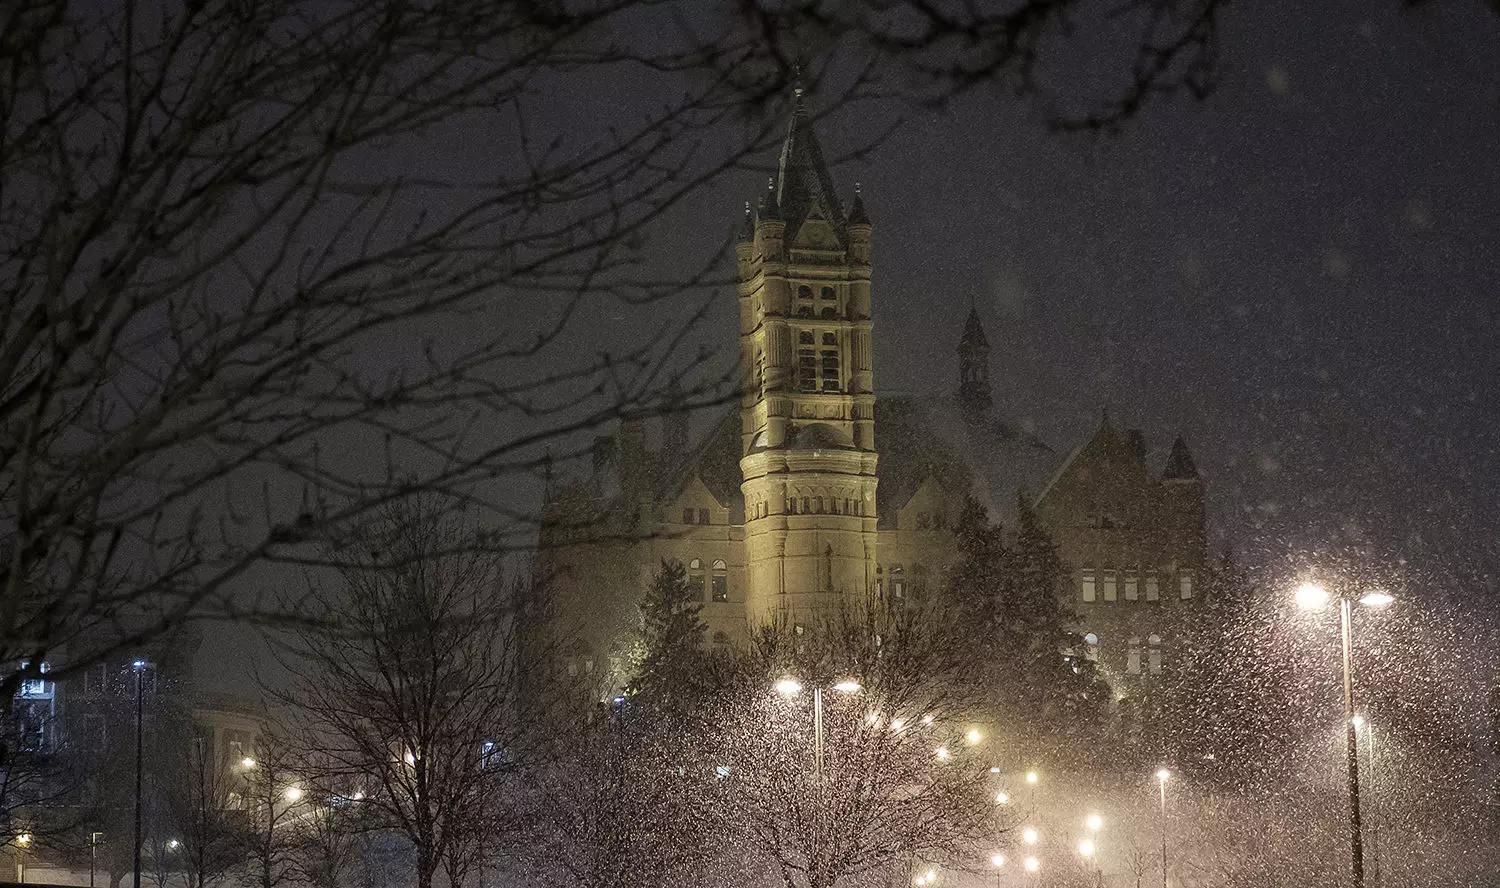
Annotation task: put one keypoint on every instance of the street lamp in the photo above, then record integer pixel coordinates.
(139, 667)
(1162, 776)
(1311, 596)
(1032, 864)
(23, 841)
(791, 687)
(1093, 823)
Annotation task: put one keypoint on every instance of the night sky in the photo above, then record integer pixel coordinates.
(1298, 274)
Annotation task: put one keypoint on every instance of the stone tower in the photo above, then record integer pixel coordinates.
(974, 368)
(808, 405)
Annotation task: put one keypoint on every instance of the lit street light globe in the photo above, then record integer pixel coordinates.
(1032, 864)
(1163, 775)
(1029, 835)
(1032, 777)
(847, 686)
(789, 686)
(1311, 596)
(1086, 848)
(1094, 822)
(997, 860)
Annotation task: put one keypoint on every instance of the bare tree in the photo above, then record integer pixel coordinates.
(406, 683)
(899, 776)
(275, 803)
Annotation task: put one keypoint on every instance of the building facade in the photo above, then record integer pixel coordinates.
(816, 488)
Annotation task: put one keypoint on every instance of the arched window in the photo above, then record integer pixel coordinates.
(819, 501)
(1133, 656)
(829, 294)
(830, 339)
(720, 581)
(1153, 653)
(695, 578)
(807, 505)
(805, 338)
(829, 314)
(804, 292)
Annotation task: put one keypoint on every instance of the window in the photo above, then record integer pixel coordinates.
(806, 505)
(1154, 654)
(804, 292)
(805, 338)
(791, 505)
(830, 339)
(898, 581)
(829, 314)
(703, 517)
(695, 578)
(1185, 585)
(721, 637)
(919, 578)
(807, 370)
(1132, 586)
(1133, 656)
(923, 521)
(1086, 584)
(687, 516)
(1107, 582)
(819, 501)
(879, 580)
(1152, 592)
(93, 733)
(830, 370)
(828, 293)
(721, 581)
(93, 679)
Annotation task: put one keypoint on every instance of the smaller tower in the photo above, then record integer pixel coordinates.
(974, 368)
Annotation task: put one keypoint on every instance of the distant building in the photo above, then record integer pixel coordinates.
(816, 488)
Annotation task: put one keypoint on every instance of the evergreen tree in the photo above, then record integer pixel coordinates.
(1055, 691)
(977, 581)
(673, 669)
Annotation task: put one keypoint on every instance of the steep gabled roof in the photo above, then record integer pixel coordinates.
(803, 186)
(973, 337)
(1180, 465)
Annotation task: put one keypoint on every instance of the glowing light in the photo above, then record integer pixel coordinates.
(973, 736)
(173, 845)
(1086, 848)
(1359, 721)
(995, 770)
(138, 665)
(410, 758)
(874, 718)
(997, 860)
(847, 686)
(1029, 835)
(898, 725)
(247, 763)
(943, 754)
(1377, 598)
(926, 719)
(789, 686)
(1032, 777)
(1032, 864)
(358, 796)
(1311, 596)
(1002, 798)
(23, 839)
(293, 793)
(1163, 775)
(1094, 822)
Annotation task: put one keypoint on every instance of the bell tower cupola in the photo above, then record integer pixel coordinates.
(974, 368)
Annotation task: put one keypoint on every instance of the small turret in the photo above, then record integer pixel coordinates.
(974, 369)
(1180, 465)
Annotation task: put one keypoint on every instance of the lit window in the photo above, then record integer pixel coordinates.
(1107, 581)
(721, 581)
(1132, 586)
(695, 578)
(1155, 654)
(1185, 584)
(1133, 656)
(1152, 591)
(1086, 584)
(898, 581)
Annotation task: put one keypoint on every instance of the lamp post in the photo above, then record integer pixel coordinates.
(791, 687)
(93, 855)
(1374, 775)
(1162, 776)
(139, 667)
(23, 841)
(1313, 597)
(1093, 823)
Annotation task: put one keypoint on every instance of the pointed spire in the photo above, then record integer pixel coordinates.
(1180, 465)
(770, 208)
(803, 185)
(973, 337)
(747, 227)
(857, 214)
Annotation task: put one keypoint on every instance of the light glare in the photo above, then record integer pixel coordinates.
(1029, 835)
(1032, 864)
(847, 686)
(1311, 596)
(789, 686)
(1377, 598)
